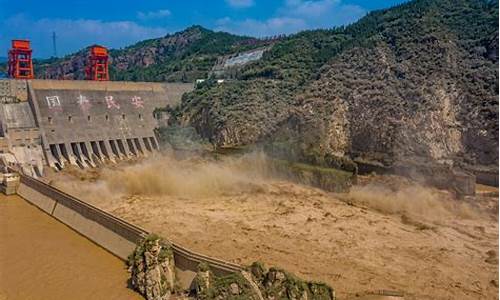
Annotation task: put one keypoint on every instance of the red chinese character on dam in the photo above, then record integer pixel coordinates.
(110, 102)
(83, 102)
(137, 102)
(53, 102)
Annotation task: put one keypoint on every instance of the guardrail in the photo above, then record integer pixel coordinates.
(126, 230)
(113, 234)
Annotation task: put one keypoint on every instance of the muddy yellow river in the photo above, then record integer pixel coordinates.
(41, 258)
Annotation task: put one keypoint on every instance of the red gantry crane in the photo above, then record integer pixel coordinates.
(97, 65)
(20, 62)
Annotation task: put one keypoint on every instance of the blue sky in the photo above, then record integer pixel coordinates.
(118, 23)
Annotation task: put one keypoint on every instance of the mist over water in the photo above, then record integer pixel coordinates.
(410, 199)
(193, 177)
(165, 175)
(196, 177)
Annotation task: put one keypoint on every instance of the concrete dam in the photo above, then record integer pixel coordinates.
(57, 122)
(50, 123)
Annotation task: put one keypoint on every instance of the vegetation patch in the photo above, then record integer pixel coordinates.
(257, 282)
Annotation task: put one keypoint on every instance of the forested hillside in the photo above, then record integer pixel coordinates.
(182, 56)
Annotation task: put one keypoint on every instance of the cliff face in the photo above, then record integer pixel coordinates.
(236, 113)
(430, 95)
(417, 82)
(395, 104)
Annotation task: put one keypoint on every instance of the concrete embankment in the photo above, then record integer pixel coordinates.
(111, 233)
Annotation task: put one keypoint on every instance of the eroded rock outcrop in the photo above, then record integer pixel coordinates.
(152, 269)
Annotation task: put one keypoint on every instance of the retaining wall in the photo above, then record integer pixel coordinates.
(111, 233)
(486, 177)
(462, 182)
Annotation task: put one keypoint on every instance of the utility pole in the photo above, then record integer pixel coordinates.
(54, 43)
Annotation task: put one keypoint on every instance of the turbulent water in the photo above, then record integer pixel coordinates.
(195, 177)
(199, 177)
(386, 233)
(168, 176)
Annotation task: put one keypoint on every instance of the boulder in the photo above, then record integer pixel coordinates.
(152, 268)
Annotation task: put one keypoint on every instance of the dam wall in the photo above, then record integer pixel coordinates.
(82, 123)
(113, 234)
(85, 123)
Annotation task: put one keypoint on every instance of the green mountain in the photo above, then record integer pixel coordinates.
(182, 56)
(416, 83)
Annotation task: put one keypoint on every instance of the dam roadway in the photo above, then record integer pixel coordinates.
(41, 258)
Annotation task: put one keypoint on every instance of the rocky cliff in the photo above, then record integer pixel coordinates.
(415, 83)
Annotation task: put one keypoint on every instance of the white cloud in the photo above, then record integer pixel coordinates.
(309, 8)
(296, 15)
(323, 13)
(73, 35)
(159, 14)
(269, 27)
(240, 3)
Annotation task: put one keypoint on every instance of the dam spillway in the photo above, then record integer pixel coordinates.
(58, 122)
